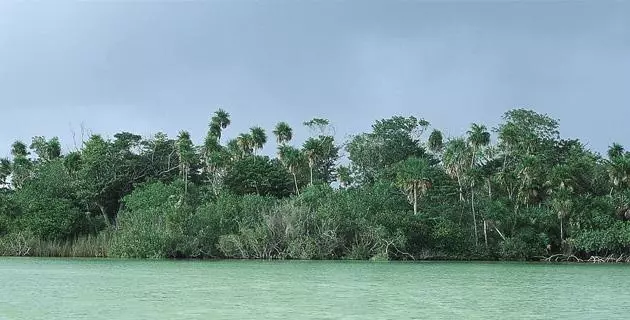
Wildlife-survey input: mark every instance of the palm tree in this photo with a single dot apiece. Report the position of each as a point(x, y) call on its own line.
point(413, 176)
point(234, 149)
point(618, 166)
point(222, 118)
point(478, 138)
point(291, 158)
point(219, 122)
point(435, 142)
point(615, 151)
point(619, 172)
point(283, 133)
point(259, 138)
point(186, 153)
point(214, 130)
point(562, 206)
point(245, 144)
point(312, 149)
point(455, 161)
point(560, 183)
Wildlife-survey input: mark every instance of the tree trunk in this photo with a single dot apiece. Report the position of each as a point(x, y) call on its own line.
point(186, 181)
point(311, 167)
point(499, 232)
point(489, 189)
point(485, 231)
point(472, 202)
point(104, 213)
point(561, 231)
point(415, 199)
point(297, 189)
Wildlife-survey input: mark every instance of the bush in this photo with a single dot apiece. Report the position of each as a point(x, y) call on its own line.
point(143, 227)
point(47, 206)
point(525, 245)
point(17, 244)
point(286, 230)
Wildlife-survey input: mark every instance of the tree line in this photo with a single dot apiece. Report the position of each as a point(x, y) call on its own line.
point(400, 191)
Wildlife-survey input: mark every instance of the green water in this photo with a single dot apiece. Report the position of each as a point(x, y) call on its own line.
point(120, 289)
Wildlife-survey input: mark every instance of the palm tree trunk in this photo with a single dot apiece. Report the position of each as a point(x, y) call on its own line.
point(311, 175)
point(485, 231)
point(297, 189)
point(461, 190)
point(415, 199)
point(472, 201)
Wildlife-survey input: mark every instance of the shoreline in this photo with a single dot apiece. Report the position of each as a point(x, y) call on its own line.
point(553, 259)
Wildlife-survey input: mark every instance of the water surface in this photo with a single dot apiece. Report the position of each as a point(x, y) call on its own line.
point(33, 288)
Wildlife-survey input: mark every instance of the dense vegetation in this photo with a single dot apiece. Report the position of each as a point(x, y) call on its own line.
point(405, 192)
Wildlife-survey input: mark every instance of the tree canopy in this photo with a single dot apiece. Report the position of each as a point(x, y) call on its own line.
point(402, 190)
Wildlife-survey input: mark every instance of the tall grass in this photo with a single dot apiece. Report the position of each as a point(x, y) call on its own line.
point(89, 246)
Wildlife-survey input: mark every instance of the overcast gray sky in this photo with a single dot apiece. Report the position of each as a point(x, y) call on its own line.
point(149, 66)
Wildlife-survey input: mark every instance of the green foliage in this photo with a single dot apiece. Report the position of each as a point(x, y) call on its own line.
point(283, 133)
point(258, 137)
point(47, 205)
point(436, 141)
point(391, 141)
point(144, 228)
point(413, 177)
point(258, 175)
point(530, 194)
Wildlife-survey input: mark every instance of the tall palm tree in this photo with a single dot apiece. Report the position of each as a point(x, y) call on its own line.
point(283, 133)
point(478, 138)
point(413, 176)
point(291, 158)
point(560, 183)
point(245, 143)
point(219, 122)
point(259, 138)
point(615, 151)
point(222, 118)
point(214, 130)
point(455, 161)
point(562, 206)
point(312, 150)
point(186, 154)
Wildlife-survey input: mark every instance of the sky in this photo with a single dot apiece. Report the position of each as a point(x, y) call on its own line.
point(150, 66)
